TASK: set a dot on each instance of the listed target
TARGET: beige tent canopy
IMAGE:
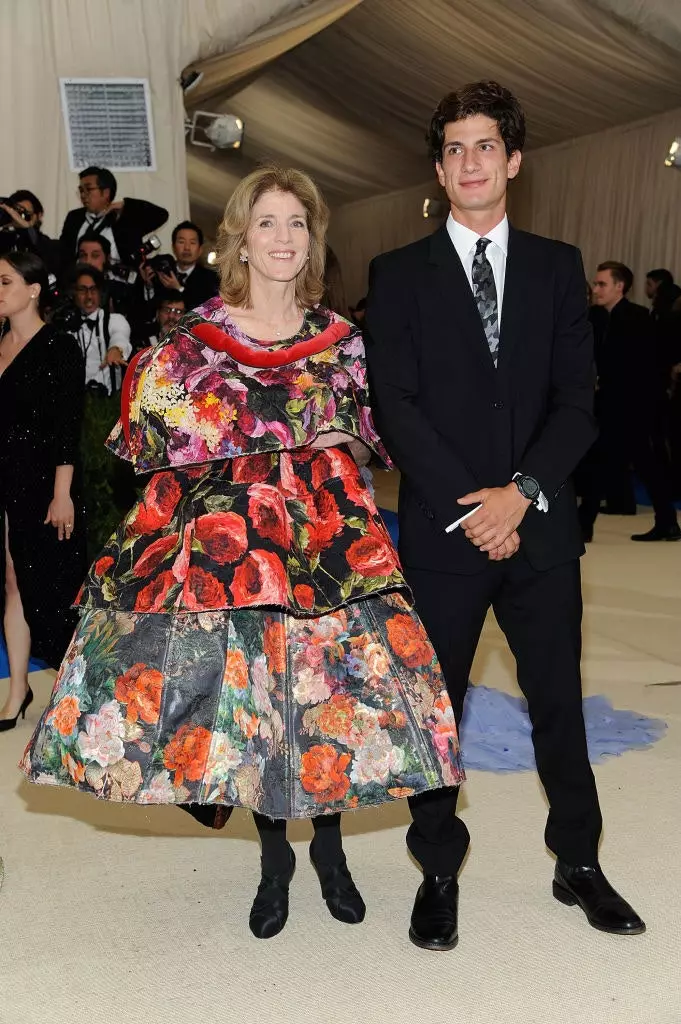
(344, 90)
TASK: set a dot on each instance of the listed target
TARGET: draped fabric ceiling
(344, 90)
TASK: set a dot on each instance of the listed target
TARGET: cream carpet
(114, 915)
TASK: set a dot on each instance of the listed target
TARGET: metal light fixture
(223, 131)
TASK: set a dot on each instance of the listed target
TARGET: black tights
(328, 844)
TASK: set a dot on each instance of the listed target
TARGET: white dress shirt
(465, 241)
(93, 345)
(90, 225)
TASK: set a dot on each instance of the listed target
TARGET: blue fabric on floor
(496, 734)
(33, 665)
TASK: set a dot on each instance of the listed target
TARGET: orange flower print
(65, 715)
(400, 792)
(336, 715)
(236, 670)
(140, 688)
(409, 641)
(323, 773)
(275, 646)
(187, 753)
(247, 723)
(75, 768)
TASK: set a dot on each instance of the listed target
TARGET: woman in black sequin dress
(43, 557)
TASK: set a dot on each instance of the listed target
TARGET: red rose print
(223, 535)
(372, 555)
(326, 522)
(267, 511)
(202, 592)
(154, 555)
(304, 595)
(332, 463)
(259, 579)
(152, 598)
(103, 564)
(158, 504)
(251, 469)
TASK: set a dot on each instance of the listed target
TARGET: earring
(243, 257)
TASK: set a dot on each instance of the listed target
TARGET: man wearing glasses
(123, 222)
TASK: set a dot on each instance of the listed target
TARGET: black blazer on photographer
(137, 219)
(454, 423)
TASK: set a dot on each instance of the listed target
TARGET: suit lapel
(518, 297)
(452, 283)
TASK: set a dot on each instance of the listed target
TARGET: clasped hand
(493, 527)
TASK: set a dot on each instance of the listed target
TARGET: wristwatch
(528, 487)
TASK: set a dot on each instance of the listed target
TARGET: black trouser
(540, 614)
(628, 437)
(328, 844)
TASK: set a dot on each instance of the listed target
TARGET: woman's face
(86, 295)
(15, 295)
(278, 239)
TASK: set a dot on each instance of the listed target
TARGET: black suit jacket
(137, 219)
(452, 422)
(201, 285)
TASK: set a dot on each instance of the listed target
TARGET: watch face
(529, 487)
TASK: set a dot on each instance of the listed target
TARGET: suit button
(498, 405)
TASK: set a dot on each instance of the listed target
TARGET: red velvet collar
(265, 358)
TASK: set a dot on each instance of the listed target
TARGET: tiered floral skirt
(247, 640)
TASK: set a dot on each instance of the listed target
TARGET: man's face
(86, 295)
(168, 314)
(186, 247)
(93, 254)
(607, 292)
(651, 288)
(93, 198)
(475, 169)
(27, 205)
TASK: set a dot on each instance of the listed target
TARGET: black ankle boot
(338, 889)
(269, 912)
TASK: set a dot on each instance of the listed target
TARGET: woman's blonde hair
(234, 278)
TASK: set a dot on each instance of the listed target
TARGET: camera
(65, 314)
(5, 218)
(163, 264)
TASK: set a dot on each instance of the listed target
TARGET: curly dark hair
(488, 98)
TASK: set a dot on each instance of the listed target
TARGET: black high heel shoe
(10, 723)
(342, 896)
(269, 912)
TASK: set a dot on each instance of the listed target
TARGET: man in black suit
(123, 222)
(194, 282)
(481, 364)
(631, 406)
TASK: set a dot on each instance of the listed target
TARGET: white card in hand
(453, 526)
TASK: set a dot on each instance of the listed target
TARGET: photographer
(123, 223)
(21, 218)
(95, 251)
(182, 275)
(103, 337)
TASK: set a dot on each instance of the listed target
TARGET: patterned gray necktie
(485, 292)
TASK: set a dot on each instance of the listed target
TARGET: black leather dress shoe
(604, 908)
(434, 919)
(660, 533)
(269, 912)
(342, 896)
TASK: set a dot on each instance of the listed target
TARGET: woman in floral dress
(246, 637)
